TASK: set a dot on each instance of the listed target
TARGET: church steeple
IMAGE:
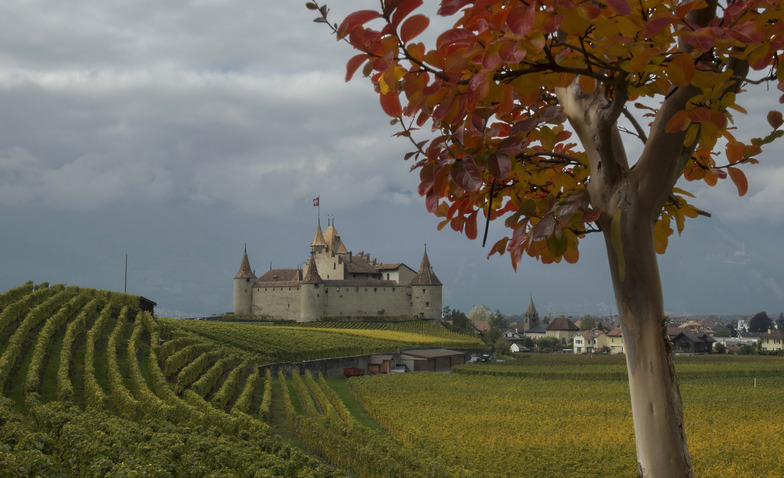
(245, 271)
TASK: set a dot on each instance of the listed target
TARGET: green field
(92, 386)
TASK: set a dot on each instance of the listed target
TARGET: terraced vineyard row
(300, 342)
(89, 395)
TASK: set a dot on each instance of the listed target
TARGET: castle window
(356, 289)
(427, 304)
(375, 289)
(423, 291)
(247, 280)
(334, 266)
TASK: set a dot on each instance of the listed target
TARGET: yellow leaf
(680, 70)
(661, 233)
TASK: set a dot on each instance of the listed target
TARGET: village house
(692, 343)
(772, 340)
(562, 329)
(590, 341)
(616, 341)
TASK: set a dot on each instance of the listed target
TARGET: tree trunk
(656, 402)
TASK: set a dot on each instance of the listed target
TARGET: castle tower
(243, 287)
(318, 244)
(426, 291)
(312, 294)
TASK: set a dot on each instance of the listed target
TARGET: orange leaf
(587, 84)
(739, 178)
(355, 19)
(412, 27)
(353, 64)
(679, 122)
(680, 71)
(390, 103)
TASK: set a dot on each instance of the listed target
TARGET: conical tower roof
(318, 239)
(312, 276)
(425, 276)
(329, 237)
(245, 271)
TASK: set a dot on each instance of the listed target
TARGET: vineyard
(94, 386)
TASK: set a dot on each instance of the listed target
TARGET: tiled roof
(281, 275)
(312, 276)
(318, 239)
(358, 265)
(386, 267)
(562, 323)
(425, 276)
(616, 332)
(245, 271)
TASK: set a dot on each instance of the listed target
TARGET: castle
(334, 283)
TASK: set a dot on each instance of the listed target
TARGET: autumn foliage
(488, 87)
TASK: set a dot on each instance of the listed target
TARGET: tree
(780, 321)
(459, 320)
(720, 348)
(760, 322)
(480, 312)
(498, 319)
(501, 346)
(587, 323)
(498, 87)
(492, 336)
(545, 344)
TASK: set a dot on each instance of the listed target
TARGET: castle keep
(335, 283)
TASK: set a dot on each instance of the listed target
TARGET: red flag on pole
(316, 201)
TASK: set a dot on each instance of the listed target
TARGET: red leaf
(739, 178)
(449, 7)
(390, 103)
(403, 10)
(455, 35)
(413, 27)
(748, 32)
(655, 26)
(353, 64)
(470, 226)
(467, 175)
(521, 19)
(500, 165)
(620, 6)
(702, 39)
(775, 119)
(354, 20)
(431, 202)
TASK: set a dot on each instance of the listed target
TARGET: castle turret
(318, 244)
(243, 287)
(312, 294)
(426, 291)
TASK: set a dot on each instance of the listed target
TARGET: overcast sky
(177, 132)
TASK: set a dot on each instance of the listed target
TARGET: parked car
(399, 368)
